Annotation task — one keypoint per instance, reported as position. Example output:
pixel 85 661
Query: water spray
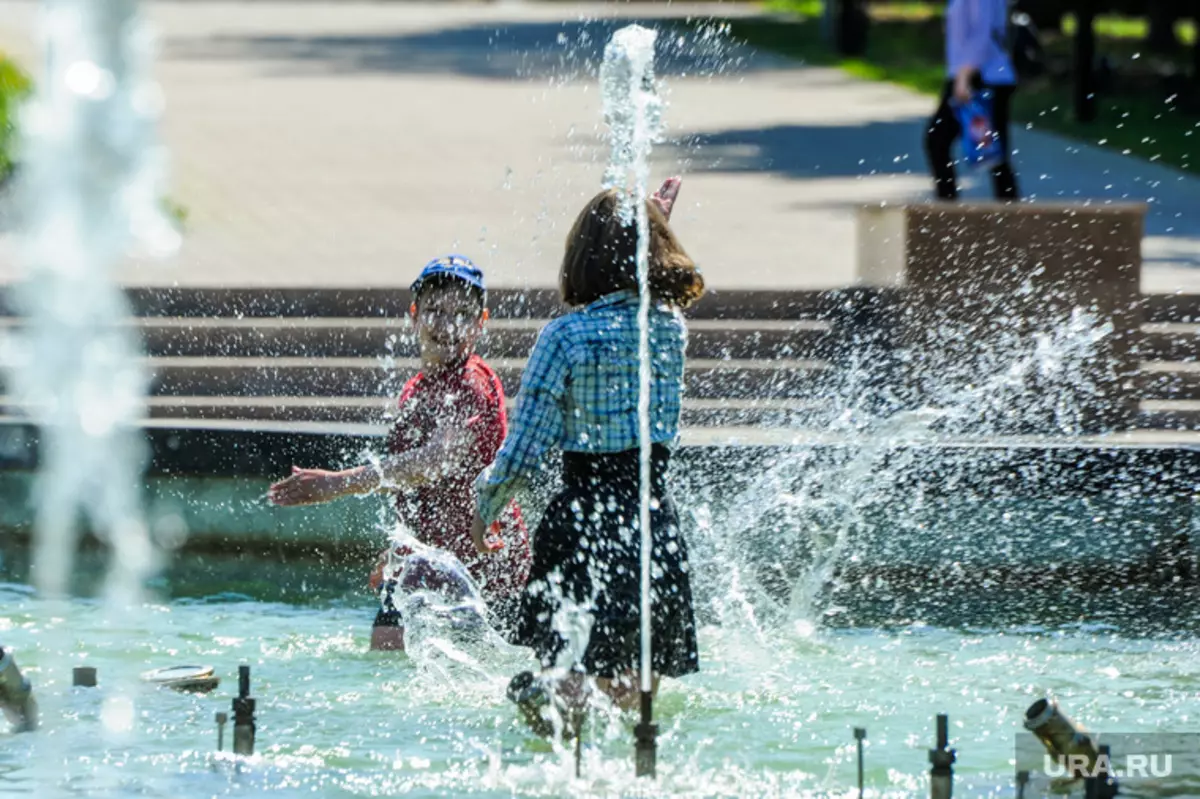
pixel 91 192
pixel 93 185
pixel 16 695
pixel 633 111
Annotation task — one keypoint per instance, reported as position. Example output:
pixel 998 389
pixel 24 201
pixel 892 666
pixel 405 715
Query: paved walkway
pixel 343 144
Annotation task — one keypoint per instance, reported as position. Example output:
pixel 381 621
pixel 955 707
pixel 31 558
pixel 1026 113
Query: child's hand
pixel 664 198
pixel 486 537
pixel 307 487
pixel 376 578
pixel 962 85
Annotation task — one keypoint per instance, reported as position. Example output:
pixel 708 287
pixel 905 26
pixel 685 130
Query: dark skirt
pixel 582 605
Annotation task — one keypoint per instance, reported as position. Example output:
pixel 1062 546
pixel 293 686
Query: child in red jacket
pixel 451 423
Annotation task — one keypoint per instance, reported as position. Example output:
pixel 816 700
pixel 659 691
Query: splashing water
pixel 775 550
pixel 92 192
pixel 633 111
pixel 1040 376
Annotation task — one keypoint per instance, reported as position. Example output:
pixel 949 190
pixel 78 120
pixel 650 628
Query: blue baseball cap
pixel 459 267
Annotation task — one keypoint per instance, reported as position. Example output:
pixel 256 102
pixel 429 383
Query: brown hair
pixel 601 257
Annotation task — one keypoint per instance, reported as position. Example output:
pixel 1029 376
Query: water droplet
pixel 117 714
pixel 86 78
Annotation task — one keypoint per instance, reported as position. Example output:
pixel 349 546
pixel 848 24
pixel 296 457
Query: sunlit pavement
pixel 344 144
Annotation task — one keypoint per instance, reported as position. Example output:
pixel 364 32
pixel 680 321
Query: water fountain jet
pixel 92 189
pixel 633 111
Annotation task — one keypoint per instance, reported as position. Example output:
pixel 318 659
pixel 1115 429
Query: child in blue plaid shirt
pixel 579 392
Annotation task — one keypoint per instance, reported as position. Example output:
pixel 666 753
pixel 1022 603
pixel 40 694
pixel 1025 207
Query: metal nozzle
pixel 83 677
pixel 244 722
pixel 222 719
pixel 1062 737
pixel 860 734
pixel 16 695
pixel 941 762
pixel 646 739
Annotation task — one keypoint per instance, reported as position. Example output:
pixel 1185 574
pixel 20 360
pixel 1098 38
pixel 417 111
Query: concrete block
pixel 1015 317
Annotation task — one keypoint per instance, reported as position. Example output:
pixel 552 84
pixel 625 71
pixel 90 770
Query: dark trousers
pixel 944 129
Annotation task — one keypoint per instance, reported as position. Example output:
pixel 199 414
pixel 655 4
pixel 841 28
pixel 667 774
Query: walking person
pixel 579 393
pixel 977 58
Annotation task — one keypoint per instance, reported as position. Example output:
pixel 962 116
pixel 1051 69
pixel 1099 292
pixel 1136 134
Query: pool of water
pixel 770 714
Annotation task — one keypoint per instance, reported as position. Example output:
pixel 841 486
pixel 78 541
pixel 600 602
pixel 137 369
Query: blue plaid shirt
pixel 580 391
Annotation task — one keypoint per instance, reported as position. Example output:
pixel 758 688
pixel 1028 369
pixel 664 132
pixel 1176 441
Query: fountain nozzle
pixel 860 734
pixel 646 740
pixel 1062 737
pixel 941 761
pixel 16 695
pixel 244 725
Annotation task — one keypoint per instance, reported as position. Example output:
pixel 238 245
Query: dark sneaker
pixel 525 688
pixel 527 692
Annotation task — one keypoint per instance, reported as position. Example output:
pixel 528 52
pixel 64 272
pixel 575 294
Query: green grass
pixel 905 47
pixel 1134 28
pixel 14 86
pixel 803 8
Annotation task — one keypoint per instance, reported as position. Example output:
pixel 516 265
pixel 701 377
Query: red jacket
pixel 440 513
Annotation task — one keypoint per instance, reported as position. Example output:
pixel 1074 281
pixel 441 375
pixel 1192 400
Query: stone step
pixel 1169 342
pixel 378 410
pixel 812 414
pixel 503 338
pixel 514 338
pixel 1169 414
pixel 338 337
pixel 1168 308
pixel 367 377
pixel 1169 380
pixel 261 303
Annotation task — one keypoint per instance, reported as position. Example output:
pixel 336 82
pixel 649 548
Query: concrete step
pixel 378 410
pixel 1169 380
pixel 1169 414
pixel 394 303
pixel 367 377
pixel 813 414
pixel 503 338
pixel 340 337
pixel 1168 308
pixel 260 303
pixel 1169 342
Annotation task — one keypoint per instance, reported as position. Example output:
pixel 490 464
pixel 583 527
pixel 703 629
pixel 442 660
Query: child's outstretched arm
pixel 536 426
pixel 315 486
pixel 429 462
